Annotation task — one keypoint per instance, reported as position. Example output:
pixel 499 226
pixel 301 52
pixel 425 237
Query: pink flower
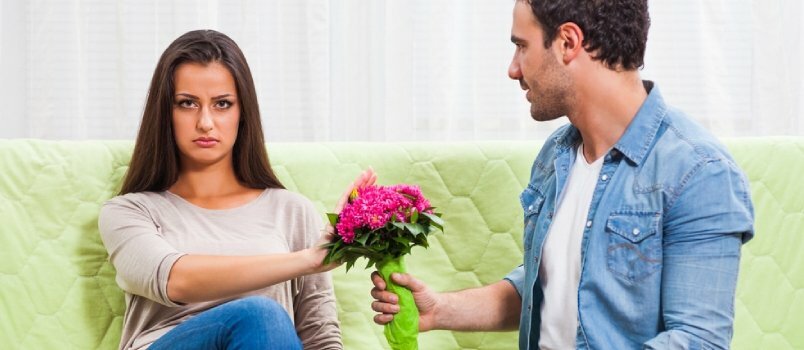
pixel 375 206
pixel 419 202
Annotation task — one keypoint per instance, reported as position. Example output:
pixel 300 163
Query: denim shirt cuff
pixel 517 278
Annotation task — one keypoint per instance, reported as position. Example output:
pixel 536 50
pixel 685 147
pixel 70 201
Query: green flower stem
pixel 403 331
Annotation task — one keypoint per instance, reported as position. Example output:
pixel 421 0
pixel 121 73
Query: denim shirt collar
pixel 638 137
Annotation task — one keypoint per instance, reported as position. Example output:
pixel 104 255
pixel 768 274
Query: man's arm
pixel 495 307
pixel 703 232
pixel 698 283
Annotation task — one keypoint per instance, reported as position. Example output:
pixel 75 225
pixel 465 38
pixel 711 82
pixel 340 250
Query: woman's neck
pixel 212 187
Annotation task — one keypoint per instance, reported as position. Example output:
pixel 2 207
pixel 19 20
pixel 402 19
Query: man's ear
pixel 570 41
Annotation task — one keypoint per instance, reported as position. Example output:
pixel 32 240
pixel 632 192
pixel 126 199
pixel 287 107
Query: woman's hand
pixel 366 178
pixel 317 253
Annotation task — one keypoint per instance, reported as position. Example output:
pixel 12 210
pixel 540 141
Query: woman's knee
pixel 259 308
pixel 256 322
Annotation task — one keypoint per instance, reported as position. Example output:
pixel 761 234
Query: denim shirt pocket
pixel 532 202
pixel 635 244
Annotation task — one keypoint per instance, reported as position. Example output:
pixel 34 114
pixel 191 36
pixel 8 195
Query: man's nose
pixel 513 71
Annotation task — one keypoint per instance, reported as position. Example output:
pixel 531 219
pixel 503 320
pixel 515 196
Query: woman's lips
pixel 206 143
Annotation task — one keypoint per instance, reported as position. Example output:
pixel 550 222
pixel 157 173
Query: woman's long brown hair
pixel 155 162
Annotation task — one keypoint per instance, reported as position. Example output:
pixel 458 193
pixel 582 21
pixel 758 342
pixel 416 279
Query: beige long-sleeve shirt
pixel 145 233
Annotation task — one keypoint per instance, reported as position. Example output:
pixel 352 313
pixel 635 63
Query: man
pixel 634 215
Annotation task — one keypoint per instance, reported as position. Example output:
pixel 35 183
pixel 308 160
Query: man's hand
pixel 495 307
pixel 386 303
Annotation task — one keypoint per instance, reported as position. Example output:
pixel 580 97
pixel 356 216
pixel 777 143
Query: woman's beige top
pixel 146 232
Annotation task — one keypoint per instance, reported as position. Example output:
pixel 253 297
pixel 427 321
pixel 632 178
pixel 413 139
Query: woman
pixel 209 247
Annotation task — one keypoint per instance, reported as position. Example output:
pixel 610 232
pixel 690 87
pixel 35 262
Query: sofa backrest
pixel 57 289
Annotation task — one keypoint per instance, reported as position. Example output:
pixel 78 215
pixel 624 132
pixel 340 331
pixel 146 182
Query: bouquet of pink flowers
pixel 382 224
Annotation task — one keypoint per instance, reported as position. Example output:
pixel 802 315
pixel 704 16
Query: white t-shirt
pixel 560 268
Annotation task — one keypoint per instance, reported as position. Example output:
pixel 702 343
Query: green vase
pixel 402 333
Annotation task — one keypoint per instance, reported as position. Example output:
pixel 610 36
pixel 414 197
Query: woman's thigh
pixel 248 323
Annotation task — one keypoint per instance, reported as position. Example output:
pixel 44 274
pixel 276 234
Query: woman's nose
pixel 205 123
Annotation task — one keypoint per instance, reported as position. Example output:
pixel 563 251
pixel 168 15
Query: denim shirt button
pixel 635 231
pixel 604 177
pixel 530 207
pixel 589 223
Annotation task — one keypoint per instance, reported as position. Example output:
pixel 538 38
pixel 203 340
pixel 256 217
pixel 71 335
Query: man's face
pixel 538 70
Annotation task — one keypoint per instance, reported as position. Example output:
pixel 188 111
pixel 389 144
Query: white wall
pixel 379 69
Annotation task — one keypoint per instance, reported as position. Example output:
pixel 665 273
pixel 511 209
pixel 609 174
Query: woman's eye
pixel 186 104
pixel 223 104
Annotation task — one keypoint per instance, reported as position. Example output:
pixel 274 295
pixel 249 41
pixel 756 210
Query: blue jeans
pixel 249 323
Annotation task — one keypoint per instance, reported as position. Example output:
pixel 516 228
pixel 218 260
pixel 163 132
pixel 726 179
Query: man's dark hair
pixel 615 31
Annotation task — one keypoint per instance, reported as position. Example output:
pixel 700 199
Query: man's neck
pixel 607 101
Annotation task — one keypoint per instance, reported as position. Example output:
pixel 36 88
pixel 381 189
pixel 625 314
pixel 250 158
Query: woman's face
pixel 206 115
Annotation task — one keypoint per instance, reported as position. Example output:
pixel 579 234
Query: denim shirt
pixel 661 249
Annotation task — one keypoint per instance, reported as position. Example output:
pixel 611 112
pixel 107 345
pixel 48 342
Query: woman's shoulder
pixel 127 209
pixel 289 200
pixel 135 198
pixel 137 204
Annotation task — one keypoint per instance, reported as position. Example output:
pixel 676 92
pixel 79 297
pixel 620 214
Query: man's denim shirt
pixel 661 248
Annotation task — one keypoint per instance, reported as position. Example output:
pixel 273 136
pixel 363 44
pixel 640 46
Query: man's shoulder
pixel 682 146
pixel 681 133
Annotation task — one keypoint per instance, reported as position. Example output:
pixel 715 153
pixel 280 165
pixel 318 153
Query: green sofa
pixel 57 289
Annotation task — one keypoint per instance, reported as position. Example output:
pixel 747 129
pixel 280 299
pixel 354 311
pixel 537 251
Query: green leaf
pixel 414 215
pixel 435 218
pixel 329 245
pixel 338 255
pixel 362 238
pixel 402 240
pixel 370 263
pixel 333 218
pixel 381 247
pixel 331 253
pixel 372 239
pixel 415 229
pixel 412 198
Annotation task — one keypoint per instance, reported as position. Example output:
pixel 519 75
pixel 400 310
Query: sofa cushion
pixel 58 290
